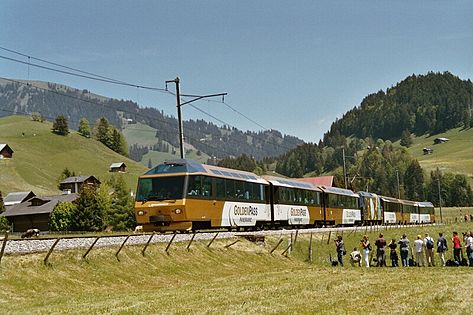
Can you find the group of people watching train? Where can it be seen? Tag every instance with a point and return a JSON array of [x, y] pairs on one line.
[[422, 247]]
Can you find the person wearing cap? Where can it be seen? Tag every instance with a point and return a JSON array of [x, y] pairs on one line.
[[429, 250], [419, 246]]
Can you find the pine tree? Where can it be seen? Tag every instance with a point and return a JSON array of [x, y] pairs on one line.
[[102, 132], [60, 126], [84, 128], [414, 181], [88, 215], [150, 165], [406, 138], [121, 214]]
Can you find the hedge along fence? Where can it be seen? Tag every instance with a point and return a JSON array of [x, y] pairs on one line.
[[314, 247]]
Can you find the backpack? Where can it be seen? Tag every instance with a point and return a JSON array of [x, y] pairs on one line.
[[429, 243], [369, 247]]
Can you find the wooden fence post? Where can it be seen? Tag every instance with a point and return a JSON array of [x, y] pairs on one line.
[[170, 242], [5, 239], [120, 249], [91, 246], [310, 248], [329, 235], [295, 237], [212, 240], [147, 244], [50, 251], [289, 246], [277, 245], [190, 242], [231, 244]]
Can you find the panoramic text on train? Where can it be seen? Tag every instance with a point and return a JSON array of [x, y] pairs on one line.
[[185, 195]]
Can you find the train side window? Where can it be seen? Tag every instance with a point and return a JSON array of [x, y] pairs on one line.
[[194, 186], [206, 186], [230, 189], [220, 188], [239, 189]]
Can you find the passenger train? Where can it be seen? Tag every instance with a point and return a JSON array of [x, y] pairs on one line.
[[185, 195]]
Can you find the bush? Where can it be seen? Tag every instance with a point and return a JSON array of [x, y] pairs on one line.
[[62, 216], [4, 225]]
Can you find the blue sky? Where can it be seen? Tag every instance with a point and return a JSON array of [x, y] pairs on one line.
[[294, 66]]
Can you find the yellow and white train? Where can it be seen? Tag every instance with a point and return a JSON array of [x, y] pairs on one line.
[[185, 195]]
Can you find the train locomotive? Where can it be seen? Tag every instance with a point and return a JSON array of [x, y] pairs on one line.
[[185, 195]]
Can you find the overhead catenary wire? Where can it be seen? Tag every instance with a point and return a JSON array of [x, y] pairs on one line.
[[93, 76]]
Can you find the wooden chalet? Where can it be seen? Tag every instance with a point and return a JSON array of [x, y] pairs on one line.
[[440, 140], [5, 151], [118, 167], [34, 213], [74, 184]]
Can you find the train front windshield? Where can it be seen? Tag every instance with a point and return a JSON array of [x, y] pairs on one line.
[[160, 188]]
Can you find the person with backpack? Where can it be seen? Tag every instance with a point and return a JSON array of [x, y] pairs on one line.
[[442, 247], [393, 253], [429, 250], [365, 244], [404, 250]]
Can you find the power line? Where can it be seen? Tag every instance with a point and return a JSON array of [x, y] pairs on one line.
[[112, 81]]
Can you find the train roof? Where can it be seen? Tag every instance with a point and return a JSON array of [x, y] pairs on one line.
[[390, 199], [190, 166], [366, 194], [425, 204], [289, 182], [338, 191], [408, 202]]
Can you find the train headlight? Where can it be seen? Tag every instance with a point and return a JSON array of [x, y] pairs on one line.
[[177, 211], [141, 212]]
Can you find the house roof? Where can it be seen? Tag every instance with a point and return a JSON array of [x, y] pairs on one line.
[[17, 197], [77, 179], [26, 208], [318, 181], [117, 165], [3, 146]]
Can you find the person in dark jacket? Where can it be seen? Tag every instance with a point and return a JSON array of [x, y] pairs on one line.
[[393, 254], [340, 249], [404, 250], [442, 247], [380, 253]]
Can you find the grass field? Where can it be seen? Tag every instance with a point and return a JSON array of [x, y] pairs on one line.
[[40, 156], [454, 156], [245, 278]]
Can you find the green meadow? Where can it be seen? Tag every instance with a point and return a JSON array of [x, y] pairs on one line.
[[40, 156]]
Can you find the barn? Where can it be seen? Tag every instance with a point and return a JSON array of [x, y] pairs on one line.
[[35, 212], [118, 167], [74, 184], [15, 198], [5, 151]]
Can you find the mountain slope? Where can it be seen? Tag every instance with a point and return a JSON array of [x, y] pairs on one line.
[[40, 156], [51, 100]]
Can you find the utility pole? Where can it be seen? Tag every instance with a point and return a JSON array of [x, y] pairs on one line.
[[179, 115], [344, 169], [440, 199], [398, 186]]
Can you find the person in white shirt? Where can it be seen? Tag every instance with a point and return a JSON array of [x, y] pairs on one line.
[[469, 248], [419, 246], [429, 250]]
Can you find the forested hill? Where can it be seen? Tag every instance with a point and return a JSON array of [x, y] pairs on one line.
[[51, 100], [420, 104]]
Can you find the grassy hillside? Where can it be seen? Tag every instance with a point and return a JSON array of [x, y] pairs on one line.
[[40, 156], [144, 135], [454, 156], [244, 279]]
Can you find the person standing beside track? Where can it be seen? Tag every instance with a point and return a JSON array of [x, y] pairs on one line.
[[380, 252], [429, 250], [340, 249], [469, 248], [365, 244], [419, 245], [456, 248], [442, 247], [404, 250]]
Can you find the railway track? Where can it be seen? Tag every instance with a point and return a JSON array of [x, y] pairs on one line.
[[35, 245]]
